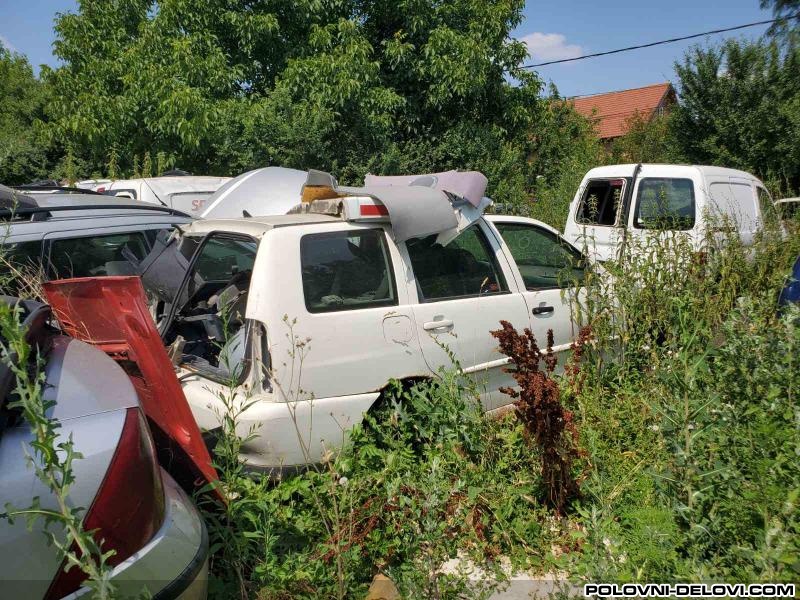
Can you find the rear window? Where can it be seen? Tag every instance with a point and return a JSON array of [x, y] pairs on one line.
[[346, 270], [600, 202], [665, 203], [96, 255]]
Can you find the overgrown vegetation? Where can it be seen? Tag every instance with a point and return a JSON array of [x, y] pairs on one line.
[[685, 411]]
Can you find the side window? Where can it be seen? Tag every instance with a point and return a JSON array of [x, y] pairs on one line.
[[465, 267], [21, 262], [765, 204], [97, 255], [545, 261], [222, 258], [346, 270], [600, 202], [665, 203], [22, 254]]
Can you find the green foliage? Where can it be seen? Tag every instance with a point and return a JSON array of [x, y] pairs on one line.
[[24, 154], [740, 107], [645, 141], [787, 30], [688, 415], [565, 147], [341, 85]]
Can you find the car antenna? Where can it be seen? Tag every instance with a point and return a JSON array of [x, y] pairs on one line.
[[246, 214], [154, 192]]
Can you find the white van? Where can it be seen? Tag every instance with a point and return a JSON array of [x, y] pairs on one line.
[[380, 282], [186, 193], [619, 202]]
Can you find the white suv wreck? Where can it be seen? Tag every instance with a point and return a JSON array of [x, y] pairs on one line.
[[313, 313]]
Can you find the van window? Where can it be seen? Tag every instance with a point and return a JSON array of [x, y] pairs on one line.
[[465, 267], [544, 260], [96, 255], [665, 203], [734, 202], [346, 270], [600, 202], [766, 206]]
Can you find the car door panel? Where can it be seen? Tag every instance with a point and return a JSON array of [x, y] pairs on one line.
[[458, 329], [546, 268]]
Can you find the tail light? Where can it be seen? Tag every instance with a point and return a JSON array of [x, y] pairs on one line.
[[129, 507]]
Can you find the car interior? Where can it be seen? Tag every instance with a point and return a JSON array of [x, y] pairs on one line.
[[462, 268], [208, 331], [345, 270]]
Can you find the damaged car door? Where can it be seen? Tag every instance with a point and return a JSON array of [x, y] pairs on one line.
[[202, 318]]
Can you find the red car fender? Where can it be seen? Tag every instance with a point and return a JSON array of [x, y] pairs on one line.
[[112, 314]]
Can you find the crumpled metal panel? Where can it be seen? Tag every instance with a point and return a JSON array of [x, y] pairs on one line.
[[112, 314], [470, 185]]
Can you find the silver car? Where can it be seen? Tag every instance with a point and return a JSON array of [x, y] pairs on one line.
[[159, 539], [59, 235]]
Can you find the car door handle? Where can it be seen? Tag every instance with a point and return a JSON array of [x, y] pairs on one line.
[[540, 310], [439, 326]]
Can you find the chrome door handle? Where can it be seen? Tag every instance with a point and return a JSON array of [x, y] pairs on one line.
[[441, 326], [540, 310]]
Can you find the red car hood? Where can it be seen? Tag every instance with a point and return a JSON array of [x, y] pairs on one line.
[[111, 313]]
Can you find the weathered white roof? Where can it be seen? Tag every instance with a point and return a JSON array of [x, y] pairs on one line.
[[255, 226], [626, 170]]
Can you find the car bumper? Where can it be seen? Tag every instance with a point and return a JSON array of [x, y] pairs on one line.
[[174, 564], [277, 435]]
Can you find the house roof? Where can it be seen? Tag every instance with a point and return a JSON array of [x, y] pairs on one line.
[[613, 109]]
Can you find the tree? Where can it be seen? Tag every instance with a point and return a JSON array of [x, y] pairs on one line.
[[788, 29], [24, 155], [645, 140], [346, 85], [740, 107]]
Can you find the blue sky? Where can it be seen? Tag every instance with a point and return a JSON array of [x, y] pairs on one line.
[[553, 29]]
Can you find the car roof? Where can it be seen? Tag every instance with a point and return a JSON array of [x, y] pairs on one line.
[[626, 170], [70, 206], [257, 226]]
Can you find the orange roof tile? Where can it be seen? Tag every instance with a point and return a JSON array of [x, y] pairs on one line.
[[613, 109]]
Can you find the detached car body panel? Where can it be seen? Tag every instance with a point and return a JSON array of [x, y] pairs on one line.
[[111, 313]]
